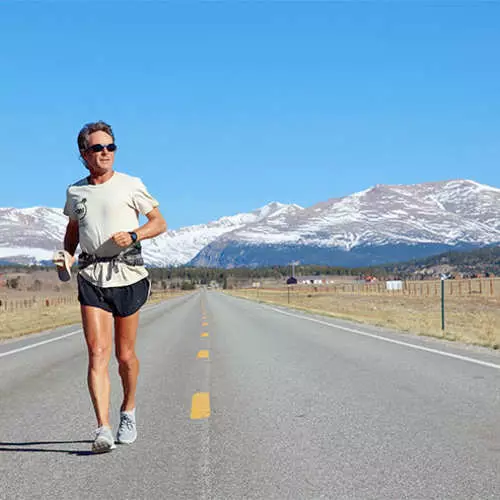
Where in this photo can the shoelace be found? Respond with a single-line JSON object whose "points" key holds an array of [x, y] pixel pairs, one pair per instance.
{"points": [[101, 431], [126, 421]]}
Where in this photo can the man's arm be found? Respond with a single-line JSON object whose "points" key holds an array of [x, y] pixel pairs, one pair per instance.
{"points": [[154, 226], [72, 237]]}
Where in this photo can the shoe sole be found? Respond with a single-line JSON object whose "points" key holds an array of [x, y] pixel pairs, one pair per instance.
{"points": [[121, 441], [103, 448]]}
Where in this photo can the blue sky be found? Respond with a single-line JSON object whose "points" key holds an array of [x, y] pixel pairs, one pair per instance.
{"points": [[222, 107]]}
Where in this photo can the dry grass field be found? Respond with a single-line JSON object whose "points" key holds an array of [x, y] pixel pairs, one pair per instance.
{"points": [[473, 319], [22, 312]]}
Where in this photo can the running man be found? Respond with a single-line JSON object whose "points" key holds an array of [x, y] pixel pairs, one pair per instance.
{"points": [[113, 283]]}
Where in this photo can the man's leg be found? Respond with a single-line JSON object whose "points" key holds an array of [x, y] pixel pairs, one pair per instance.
{"points": [[98, 329], [125, 336]]}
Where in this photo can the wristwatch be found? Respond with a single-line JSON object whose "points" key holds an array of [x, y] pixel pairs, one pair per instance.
{"points": [[133, 235]]}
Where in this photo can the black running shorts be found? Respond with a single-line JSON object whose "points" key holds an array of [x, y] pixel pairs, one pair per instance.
{"points": [[118, 300]]}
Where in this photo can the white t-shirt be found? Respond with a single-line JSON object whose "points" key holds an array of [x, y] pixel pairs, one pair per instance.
{"points": [[104, 209]]}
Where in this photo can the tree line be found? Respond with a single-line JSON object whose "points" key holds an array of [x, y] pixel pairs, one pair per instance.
{"points": [[483, 260]]}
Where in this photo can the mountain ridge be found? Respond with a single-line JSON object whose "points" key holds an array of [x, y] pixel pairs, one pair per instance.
{"points": [[431, 217]]}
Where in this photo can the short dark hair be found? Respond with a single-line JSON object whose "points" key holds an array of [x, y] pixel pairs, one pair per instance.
{"points": [[90, 128]]}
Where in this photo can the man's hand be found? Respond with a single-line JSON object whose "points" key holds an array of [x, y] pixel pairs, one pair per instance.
{"points": [[122, 239], [59, 259], [63, 261]]}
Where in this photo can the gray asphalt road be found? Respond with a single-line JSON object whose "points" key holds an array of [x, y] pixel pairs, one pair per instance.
{"points": [[300, 407]]}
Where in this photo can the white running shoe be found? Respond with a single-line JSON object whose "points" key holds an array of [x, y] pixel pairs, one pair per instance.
{"points": [[127, 432], [104, 441]]}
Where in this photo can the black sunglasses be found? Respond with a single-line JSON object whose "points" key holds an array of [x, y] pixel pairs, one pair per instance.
{"points": [[97, 148]]}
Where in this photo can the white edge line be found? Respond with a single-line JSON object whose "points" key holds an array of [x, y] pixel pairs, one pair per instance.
{"points": [[31, 346], [385, 339]]}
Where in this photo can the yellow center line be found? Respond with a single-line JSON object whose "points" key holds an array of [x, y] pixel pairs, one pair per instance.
{"points": [[200, 405], [204, 323], [204, 334], [202, 355]]}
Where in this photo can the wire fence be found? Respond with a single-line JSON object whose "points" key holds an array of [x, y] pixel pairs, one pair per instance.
{"points": [[12, 303], [489, 287], [37, 302]]}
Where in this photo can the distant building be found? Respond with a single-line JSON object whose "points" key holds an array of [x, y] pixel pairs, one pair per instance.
{"points": [[394, 285]]}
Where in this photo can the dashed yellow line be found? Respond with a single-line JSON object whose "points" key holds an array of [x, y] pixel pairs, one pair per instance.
{"points": [[200, 406], [204, 323], [202, 355], [204, 334]]}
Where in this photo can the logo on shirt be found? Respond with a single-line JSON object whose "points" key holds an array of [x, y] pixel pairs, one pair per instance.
{"points": [[81, 209]]}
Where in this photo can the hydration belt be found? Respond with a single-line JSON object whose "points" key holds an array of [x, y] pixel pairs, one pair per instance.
{"points": [[130, 256]]}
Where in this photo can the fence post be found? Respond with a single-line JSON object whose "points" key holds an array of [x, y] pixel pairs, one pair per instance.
{"points": [[442, 304]]}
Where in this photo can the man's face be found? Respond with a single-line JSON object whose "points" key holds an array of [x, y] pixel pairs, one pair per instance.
{"points": [[101, 162]]}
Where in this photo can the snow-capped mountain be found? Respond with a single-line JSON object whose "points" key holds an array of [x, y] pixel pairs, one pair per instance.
{"points": [[180, 246], [380, 224], [31, 235], [383, 223]]}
